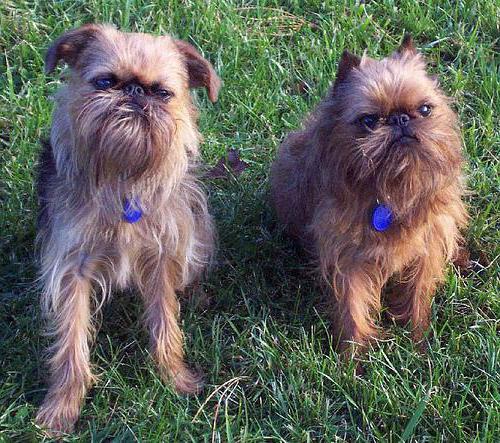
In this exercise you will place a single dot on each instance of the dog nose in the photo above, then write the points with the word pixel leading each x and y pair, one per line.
pixel 399 119
pixel 134 89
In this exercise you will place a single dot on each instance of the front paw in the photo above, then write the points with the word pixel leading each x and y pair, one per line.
pixel 58 415
pixel 201 300
pixel 421 339
pixel 187 382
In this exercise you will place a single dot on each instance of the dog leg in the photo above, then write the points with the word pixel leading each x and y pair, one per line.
pixel 69 364
pixel 357 295
pixel 162 312
pixel 411 299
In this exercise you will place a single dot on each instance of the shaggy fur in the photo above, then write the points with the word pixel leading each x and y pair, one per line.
pixel 330 175
pixel 107 145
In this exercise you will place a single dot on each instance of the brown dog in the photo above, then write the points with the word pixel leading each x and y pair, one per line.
pixel 372 185
pixel 119 204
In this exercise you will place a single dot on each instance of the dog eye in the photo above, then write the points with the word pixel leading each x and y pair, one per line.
pixel 425 110
pixel 369 121
pixel 104 83
pixel 164 94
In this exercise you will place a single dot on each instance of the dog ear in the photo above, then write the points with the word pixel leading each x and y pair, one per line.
pixel 200 71
pixel 69 46
pixel 347 63
pixel 407 46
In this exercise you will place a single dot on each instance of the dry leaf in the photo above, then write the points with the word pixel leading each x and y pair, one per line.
pixel 228 166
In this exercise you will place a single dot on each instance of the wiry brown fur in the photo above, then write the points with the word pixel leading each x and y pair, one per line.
pixel 105 147
pixel 329 176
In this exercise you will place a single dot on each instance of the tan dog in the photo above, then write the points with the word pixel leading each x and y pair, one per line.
pixel 119 204
pixel 372 185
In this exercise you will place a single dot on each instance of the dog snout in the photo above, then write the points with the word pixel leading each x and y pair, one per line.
pixel 408 131
pixel 134 89
pixel 139 102
pixel 399 119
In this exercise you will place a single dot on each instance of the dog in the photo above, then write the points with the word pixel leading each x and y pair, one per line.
pixel 120 205
pixel 372 186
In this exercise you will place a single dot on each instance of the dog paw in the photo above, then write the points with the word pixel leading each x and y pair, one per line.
pixel 421 342
pixel 359 369
pixel 187 382
pixel 55 420
pixel 200 299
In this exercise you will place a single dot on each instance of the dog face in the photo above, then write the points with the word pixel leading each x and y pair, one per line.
pixel 394 122
pixel 126 97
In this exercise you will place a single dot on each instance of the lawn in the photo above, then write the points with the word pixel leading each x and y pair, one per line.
pixel 263 343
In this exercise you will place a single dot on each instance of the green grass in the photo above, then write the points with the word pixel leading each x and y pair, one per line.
pixel 263 344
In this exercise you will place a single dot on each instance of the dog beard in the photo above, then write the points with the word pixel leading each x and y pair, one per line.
pixel 121 138
pixel 403 168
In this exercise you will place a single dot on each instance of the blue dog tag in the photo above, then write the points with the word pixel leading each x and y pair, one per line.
pixel 381 218
pixel 131 211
